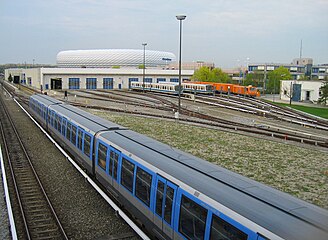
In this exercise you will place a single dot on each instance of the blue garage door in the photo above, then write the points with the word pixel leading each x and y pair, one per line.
pixel 91 83
pixel 73 83
pixel 108 83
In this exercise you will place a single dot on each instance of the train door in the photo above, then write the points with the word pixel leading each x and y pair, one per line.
pixel 164 207
pixel 114 156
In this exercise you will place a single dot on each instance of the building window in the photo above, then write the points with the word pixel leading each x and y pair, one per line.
pixel 91 83
pixel 127 174
pixel 73 83
pixel 29 80
pixel 192 220
pixel 174 79
pixel 148 80
pixel 143 186
pixel 133 79
pixel 161 80
pixel 108 83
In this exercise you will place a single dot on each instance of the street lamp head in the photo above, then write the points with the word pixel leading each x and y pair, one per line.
pixel 181 17
pixel 144 44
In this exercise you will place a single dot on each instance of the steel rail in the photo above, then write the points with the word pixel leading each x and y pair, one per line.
pixel 62 231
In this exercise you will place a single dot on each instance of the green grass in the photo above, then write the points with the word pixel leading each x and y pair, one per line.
pixel 320 112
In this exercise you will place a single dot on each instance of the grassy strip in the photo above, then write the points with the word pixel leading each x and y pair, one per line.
pixel 320 112
pixel 295 170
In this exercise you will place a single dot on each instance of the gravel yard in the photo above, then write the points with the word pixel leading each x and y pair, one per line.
pixel 302 172
pixel 82 211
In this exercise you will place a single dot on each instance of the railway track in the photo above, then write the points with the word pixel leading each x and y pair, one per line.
pixel 205 120
pixel 280 112
pixel 39 218
pixel 163 102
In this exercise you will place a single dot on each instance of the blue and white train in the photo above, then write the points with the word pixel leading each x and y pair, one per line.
pixel 173 194
pixel 173 88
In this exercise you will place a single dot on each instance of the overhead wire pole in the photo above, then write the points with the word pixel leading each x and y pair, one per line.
pixel 144 67
pixel 180 18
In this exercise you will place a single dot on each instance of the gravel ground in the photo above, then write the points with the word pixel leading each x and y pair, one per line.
pixel 82 211
pixel 223 113
pixel 302 172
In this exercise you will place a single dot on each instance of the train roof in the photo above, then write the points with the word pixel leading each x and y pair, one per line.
pixel 85 119
pixel 45 100
pixel 282 214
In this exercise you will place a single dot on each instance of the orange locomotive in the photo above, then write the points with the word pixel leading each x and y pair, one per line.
pixel 234 88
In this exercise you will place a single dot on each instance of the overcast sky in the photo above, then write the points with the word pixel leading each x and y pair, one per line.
pixel 225 32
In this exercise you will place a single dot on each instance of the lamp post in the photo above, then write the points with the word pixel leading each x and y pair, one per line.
pixel 180 18
pixel 144 66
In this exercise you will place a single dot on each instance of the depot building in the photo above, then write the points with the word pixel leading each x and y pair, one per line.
pixel 100 69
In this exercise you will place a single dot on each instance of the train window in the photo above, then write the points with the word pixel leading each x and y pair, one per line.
pixel 143 186
pixel 79 138
pixel 68 131
pixel 87 144
pixel 127 173
pixel 73 139
pixel 59 123
pixel 168 204
pixel 159 198
pixel 113 163
pixel 102 152
pixel 51 119
pixel 45 113
pixel 221 229
pixel 192 219
pixel 55 121
pixel 64 127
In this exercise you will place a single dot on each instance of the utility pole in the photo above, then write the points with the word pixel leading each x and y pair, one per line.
pixel 264 80
pixel 301 53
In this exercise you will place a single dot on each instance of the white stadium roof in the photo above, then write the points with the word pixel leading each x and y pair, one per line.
pixel 103 58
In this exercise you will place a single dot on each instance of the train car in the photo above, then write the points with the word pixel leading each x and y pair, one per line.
pixel 234 89
pixel 71 127
pixel 156 87
pixel 40 104
pixel 197 88
pixel 178 196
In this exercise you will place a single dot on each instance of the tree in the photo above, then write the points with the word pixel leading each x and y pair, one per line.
pixel 220 76
pixel 202 74
pixel 10 78
pixel 206 74
pixel 324 93
pixel 273 85
pixel 254 78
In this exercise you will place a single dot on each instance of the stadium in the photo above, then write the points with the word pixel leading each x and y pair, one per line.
pixel 106 58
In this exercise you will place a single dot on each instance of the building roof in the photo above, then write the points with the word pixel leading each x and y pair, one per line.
pixel 104 58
